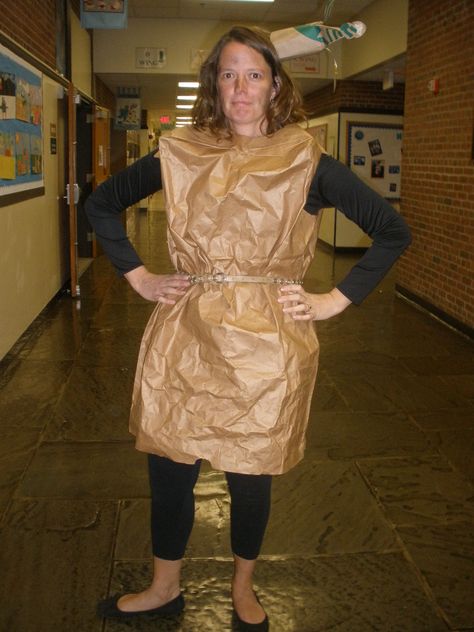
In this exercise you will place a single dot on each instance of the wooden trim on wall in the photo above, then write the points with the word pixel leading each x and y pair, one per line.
pixel 20 196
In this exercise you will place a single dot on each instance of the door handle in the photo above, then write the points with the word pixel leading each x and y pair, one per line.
pixel 76 193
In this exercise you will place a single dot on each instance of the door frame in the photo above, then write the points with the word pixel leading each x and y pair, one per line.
pixel 71 188
pixel 101 136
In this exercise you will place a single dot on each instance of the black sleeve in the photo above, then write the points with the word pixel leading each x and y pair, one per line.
pixel 104 206
pixel 336 185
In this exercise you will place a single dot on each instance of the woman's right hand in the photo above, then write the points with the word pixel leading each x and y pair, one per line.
pixel 161 288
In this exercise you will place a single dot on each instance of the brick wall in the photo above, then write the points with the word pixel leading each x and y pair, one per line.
pixel 437 185
pixel 355 95
pixel 33 25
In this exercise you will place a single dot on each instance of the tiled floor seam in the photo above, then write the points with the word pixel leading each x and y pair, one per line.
pixel 424 584
pixel 34 450
pixel 13 495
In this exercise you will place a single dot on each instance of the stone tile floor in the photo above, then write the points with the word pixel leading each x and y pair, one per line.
pixel 372 531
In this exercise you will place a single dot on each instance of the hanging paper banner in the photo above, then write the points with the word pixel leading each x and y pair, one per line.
pixel 104 14
pixel 128 113
pixel 312 38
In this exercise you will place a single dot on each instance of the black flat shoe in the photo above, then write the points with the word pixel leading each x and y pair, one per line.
pixel 108 608
pixel 242 626
pixel 238 625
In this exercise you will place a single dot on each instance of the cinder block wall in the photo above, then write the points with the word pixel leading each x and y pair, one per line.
pixel 437 167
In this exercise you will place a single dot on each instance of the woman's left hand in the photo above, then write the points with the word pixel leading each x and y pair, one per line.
pixel 302 305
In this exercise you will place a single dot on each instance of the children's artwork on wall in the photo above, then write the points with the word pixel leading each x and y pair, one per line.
pixel 22 150
pixel 36 104
pixel 21 138
pixel 36 158
pixel 7 96
pixel 7 156
pixel 23 103
pixel 374 154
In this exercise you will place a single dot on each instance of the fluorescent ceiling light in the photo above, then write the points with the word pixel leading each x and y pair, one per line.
pixel 183 123
pixel 188 84
pixel 184 118
pixel 184 107
pixel 186 97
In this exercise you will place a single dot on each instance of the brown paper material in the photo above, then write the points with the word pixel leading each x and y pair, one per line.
pixel 224 374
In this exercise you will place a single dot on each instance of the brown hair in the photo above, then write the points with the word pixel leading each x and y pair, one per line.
pixel 286 107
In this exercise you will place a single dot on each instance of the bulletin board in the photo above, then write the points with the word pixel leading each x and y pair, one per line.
pixel 374 153
pixel 21 137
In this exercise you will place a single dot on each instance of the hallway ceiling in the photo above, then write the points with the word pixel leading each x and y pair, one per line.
pixel 287 12
pixel 158 91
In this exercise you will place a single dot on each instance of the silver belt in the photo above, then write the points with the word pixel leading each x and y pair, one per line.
pixel 220 277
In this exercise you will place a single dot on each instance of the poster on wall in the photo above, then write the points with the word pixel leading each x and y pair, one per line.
pixel 309 64
pixel 21 138
pixel 128 113
pixel 374 153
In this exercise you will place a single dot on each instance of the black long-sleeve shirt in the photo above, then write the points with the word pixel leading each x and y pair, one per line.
pixel 333 185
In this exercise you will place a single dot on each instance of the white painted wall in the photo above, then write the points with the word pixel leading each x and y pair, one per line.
pixel 81 56
pixel 178 37
pixel 385 38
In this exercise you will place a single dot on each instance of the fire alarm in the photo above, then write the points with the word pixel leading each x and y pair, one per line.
pixel 433 86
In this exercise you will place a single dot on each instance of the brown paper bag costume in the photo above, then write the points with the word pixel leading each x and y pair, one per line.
pixel 224 374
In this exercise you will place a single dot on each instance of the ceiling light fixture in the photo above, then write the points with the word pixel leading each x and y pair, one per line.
pixel 184 107
pixel 184 118
pixel 186 97
pixel 188 84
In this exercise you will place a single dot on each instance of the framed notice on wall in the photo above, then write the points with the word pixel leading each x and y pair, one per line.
pixel 374 153
pixel 21 138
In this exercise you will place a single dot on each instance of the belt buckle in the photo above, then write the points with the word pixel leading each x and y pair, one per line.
pixel 218 277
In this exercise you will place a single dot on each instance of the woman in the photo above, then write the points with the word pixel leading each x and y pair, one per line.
pixel 228 360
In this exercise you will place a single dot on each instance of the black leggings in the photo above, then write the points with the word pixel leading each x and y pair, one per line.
pixel 172 508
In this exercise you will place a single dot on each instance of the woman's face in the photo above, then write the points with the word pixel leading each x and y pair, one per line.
pixel 244 80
